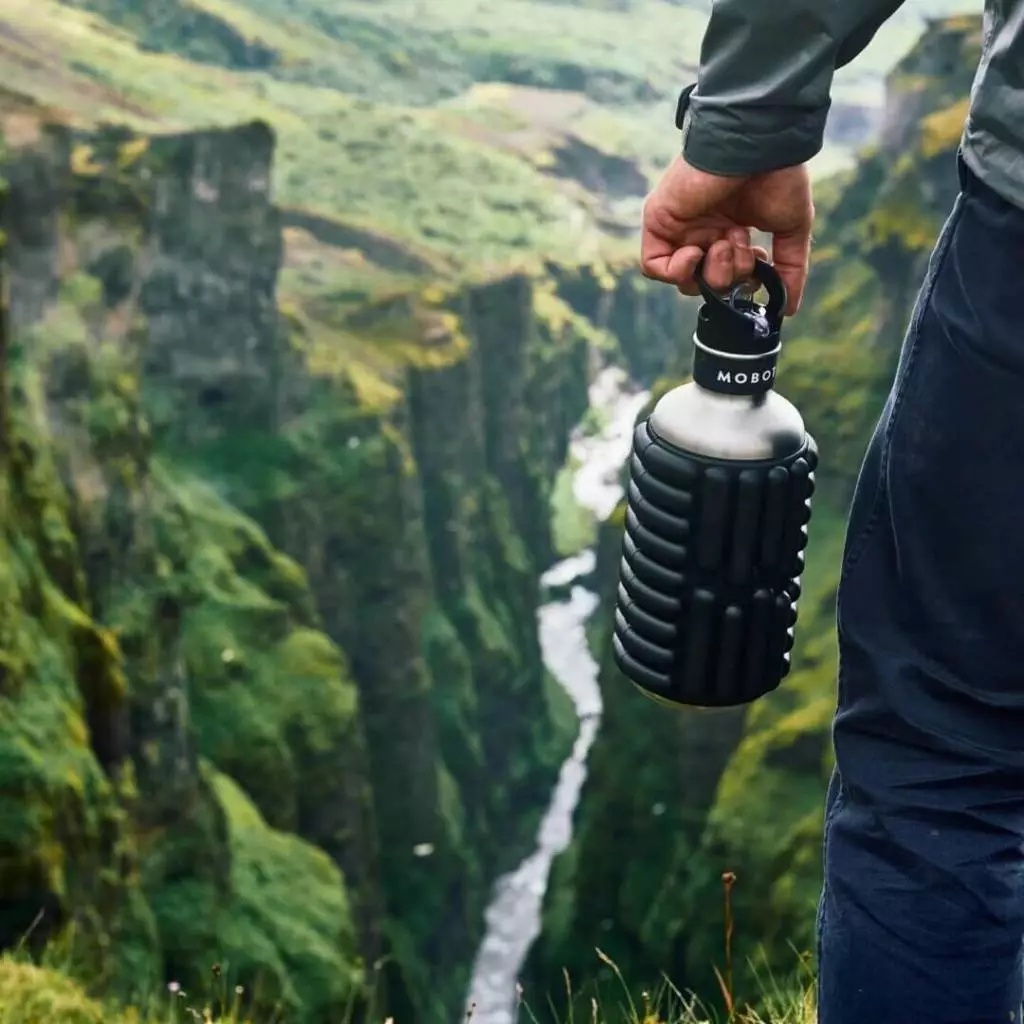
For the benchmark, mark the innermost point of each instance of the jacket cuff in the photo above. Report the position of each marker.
(735, 141)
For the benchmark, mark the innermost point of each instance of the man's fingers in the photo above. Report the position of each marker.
(720, 266)
(745, 271)
(727, 263)
(683, 265)
(675, 266)
(727, 260)
(743, 254)
(740, 275)
(790, 255)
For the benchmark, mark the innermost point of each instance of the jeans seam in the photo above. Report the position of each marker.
(830, 813)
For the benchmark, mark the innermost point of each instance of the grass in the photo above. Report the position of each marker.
(668, 1005)
(386, 168)
(32, 993)
(462, 179)
(535, 41)
(45, 988)
(792, 1002)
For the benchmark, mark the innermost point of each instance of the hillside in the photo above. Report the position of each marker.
(259, 639)
(446, 135)
(673, 801)
(274, 697)
(304, 301)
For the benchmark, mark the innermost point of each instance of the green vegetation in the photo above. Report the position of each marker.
(29, 994)
(126, 586)
(443, 135)
(675, 800)
(304, 298)
(462, 185)
(262, 705)
(573, 526)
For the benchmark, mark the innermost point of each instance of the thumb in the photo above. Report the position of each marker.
(790, 256)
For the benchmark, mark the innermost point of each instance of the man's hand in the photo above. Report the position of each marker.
(691, 212)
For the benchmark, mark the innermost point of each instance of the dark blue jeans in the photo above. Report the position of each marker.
(921, 918)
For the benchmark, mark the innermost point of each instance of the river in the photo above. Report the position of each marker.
(514, 914)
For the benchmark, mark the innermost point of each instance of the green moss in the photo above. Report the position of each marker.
(62, 685)
(30, 994)
(296, 954)
(901, 225)
(456, 706)
(273, 695)
(222, 884)
(51, 776)
(573, 527)
(169, 880)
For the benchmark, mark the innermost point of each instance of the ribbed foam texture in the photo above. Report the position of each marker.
(709, 580)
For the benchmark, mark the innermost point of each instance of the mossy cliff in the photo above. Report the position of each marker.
(271, 689)
(673, 800)
(157, 645)
(650, 324)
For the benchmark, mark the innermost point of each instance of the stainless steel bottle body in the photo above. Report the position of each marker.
(721, 476)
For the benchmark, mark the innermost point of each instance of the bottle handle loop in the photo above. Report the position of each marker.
(764, 273)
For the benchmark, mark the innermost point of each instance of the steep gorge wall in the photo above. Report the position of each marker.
(674, 799)
(281, 638)
(651, 324)
(159, 640)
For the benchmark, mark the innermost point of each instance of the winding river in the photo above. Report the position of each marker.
(514, 914)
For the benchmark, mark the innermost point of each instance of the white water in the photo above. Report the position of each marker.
(513, 917)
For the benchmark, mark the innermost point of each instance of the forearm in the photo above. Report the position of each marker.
(764, 86)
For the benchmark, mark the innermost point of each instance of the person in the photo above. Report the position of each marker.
(921, 917)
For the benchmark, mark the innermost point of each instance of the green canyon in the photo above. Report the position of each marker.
(324, 338)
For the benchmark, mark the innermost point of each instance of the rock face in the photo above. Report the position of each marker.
(270, 689)
(674, 800)
(166, 671)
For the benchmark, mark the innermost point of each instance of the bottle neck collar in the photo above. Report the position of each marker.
(732, 373)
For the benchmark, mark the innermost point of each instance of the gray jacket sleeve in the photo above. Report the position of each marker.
(766, 69)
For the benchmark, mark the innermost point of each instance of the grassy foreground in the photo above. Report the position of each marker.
(46, 992)
(33, 994)
(667, 1005)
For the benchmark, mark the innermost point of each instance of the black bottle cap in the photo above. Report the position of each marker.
(737, 340)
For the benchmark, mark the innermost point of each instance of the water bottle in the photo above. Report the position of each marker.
(719, 500)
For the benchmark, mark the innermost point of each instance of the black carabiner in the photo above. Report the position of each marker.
(765, 274)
